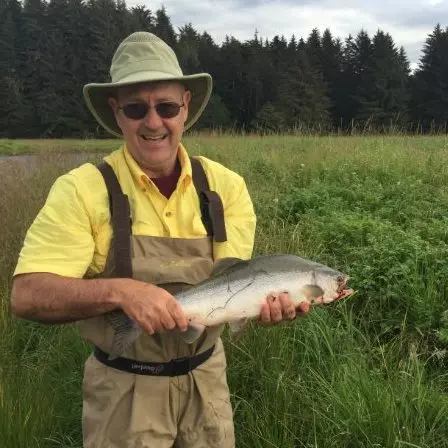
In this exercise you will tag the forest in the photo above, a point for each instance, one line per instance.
(312, 82)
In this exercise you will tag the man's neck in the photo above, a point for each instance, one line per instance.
(163, 170)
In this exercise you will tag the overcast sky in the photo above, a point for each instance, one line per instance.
(408, 21)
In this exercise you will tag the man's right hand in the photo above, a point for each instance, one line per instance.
(153, 308)
(54, 299)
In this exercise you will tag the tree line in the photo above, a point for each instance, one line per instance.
(50, 49)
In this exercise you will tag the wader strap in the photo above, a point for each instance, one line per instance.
(121, 222)
(212, 213)
(175, 367)
(212, 210)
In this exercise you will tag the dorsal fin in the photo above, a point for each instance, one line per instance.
(224, 264)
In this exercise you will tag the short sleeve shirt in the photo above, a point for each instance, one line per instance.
(71, 234)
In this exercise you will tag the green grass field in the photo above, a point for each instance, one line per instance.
(371, 371)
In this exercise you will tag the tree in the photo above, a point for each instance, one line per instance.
(331, 64)
(314, 49)
(37, 70)
(164, 29)
(141, 19)
(188, 49)
(302, 98)
(232, 79)
(382, 90)
(430, 86)
(215, 115)
(11, 84)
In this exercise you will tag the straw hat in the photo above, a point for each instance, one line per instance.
(144, 57)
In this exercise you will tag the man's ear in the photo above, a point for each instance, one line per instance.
(113, 104)
(186, 100)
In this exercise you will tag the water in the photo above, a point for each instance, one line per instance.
(31, 163)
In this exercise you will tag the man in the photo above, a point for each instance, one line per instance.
(87, 254)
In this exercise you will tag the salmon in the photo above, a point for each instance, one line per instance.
(236, 291)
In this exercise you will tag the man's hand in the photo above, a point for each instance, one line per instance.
(281, 307)
(152, 308)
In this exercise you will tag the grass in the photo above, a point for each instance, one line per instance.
(367, 372)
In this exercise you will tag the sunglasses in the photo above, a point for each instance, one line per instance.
(138, 111)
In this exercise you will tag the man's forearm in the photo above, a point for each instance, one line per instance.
(50, 298)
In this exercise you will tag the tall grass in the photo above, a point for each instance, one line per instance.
(367, 372)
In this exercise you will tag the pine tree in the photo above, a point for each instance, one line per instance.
(258, 78)
(331, 64)
(215, 115)
(164, 29)
(302, 98)
(314, 49)
(103, 39)
(11, 84)
(187, 49)
(142, 19)
(37, 70)
(68, 110)
(430, 87)
(356, 56)
(382, 91)
(232, 83)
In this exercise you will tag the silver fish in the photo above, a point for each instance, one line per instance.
(236, 291)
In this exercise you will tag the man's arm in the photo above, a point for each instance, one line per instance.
(50, 298)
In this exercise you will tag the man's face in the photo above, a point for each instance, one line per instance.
(152, 140)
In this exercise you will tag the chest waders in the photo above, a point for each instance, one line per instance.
(161, 392)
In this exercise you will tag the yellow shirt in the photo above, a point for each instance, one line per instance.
(71, 234)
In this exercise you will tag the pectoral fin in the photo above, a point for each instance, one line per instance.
(192, 333)
(312, 292)
(237, 328)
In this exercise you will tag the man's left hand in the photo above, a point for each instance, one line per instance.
(281, 307)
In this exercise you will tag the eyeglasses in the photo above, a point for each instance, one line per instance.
(138, 111)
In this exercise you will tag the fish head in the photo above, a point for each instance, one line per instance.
(332, 283)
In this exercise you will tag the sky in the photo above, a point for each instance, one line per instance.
(408, 21)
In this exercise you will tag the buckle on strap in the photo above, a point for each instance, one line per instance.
(175, 367)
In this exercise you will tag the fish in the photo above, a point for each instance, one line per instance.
(235, 292)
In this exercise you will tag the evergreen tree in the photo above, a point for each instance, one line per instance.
(258, 78)
(382, 91)
(68, 110)
(331, 64)
(356, 56)
(141, 19)
(11, 85)
(187, 49)
(103, 39)
(37, 70)
(209, 55)
(314, 49)
(233, 80)
(302, 98)
(430, 92)
(164, 29)
(215, 115)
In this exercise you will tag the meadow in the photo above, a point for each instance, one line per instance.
(369, 371)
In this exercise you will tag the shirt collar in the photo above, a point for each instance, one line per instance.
(142, 179)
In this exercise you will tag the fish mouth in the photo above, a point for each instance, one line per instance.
(342, 291)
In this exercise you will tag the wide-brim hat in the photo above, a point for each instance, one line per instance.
(140, 58)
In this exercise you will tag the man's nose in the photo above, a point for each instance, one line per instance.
(152, 119)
